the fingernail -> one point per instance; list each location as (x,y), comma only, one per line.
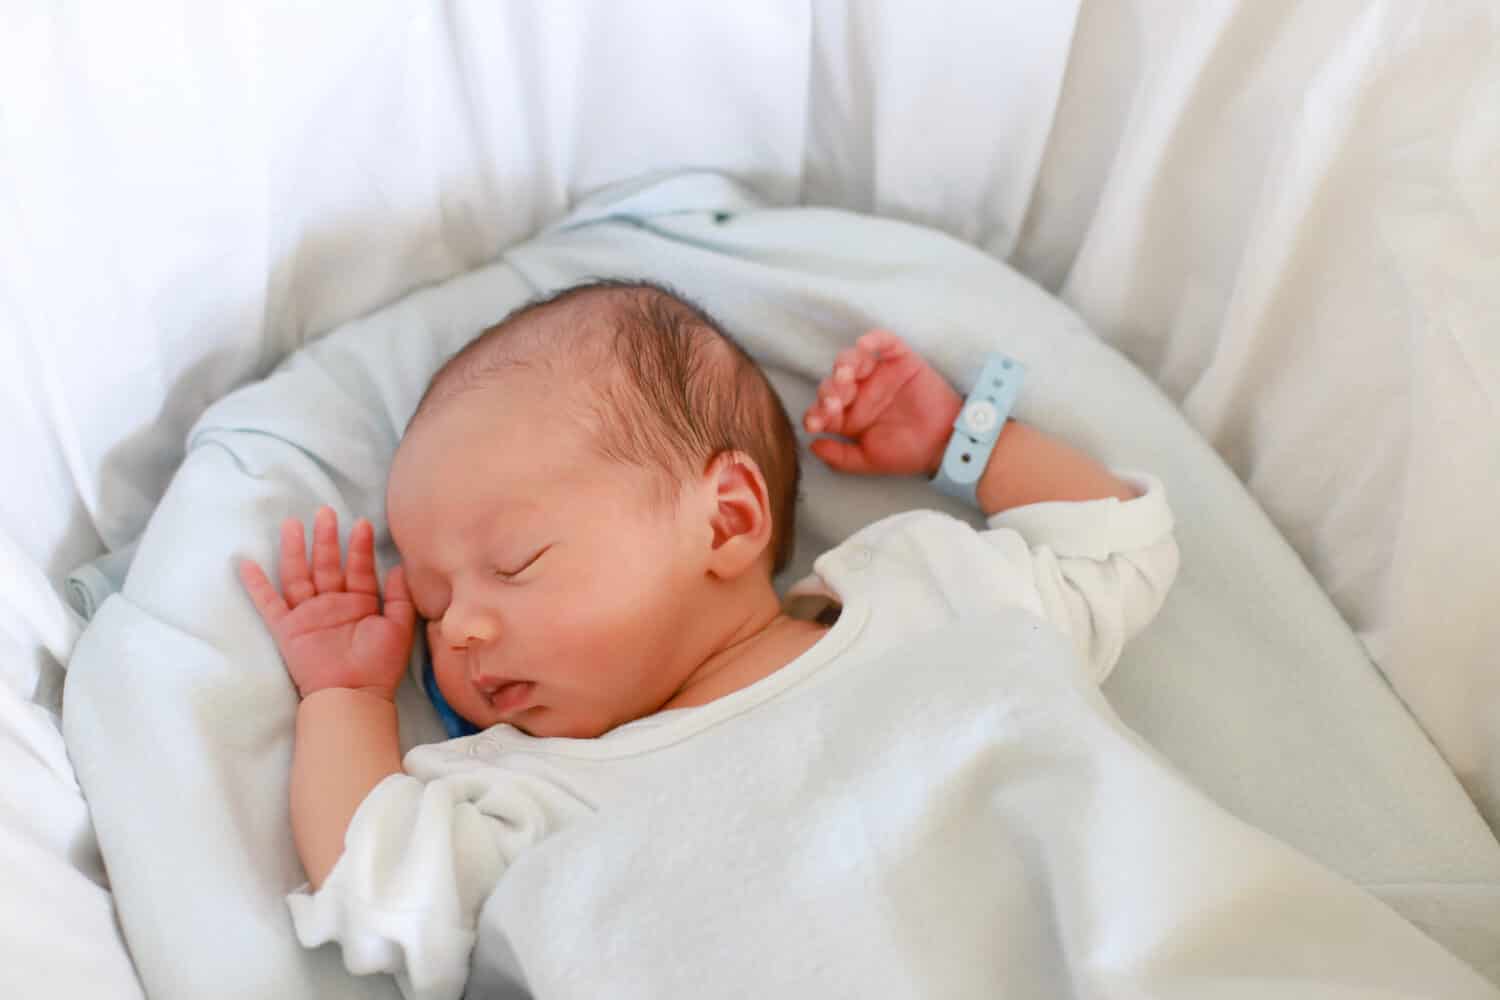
(843,374)
(815,425)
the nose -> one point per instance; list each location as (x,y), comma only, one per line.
(464,624)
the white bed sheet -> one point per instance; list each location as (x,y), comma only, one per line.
(1249,680)
(1332,330)
(191,189)
(1288,215)
(57,917)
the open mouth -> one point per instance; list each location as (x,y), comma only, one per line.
(511,696)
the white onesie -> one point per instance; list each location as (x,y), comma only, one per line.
(829,829)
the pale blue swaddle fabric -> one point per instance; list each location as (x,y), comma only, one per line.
(89,584)
(179,713)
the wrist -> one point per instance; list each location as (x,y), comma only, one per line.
(336,692)
(943,416)
(977,427)
(347,710)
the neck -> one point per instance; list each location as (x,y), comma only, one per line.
(754,640)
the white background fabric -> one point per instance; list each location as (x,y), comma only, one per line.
(1286,213)
(57,920)
(1298,236)
(189,190)
(179,713)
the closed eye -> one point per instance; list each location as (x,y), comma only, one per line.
(511,573)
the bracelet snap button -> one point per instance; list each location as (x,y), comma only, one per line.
(981,415)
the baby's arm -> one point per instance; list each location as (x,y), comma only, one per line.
(898,413)
(347,743)
(347,656)
(1098,568)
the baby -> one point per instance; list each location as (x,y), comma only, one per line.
(590,503)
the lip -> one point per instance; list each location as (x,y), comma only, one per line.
(511,696)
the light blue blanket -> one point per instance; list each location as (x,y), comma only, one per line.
(179,715)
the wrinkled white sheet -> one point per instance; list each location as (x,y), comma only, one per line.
(57,920)
(179,714)
(189,190)
(1298,236)
(1285,213)
(1288,215)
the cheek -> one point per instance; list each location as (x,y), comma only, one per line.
(451,678)
(628,589)
(606,624)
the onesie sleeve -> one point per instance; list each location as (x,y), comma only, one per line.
(1100,569)
(420,859)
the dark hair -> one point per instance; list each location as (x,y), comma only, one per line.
(687,390)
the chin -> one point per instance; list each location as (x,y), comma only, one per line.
(548,725)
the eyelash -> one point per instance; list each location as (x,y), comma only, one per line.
(508,574)
(503,574)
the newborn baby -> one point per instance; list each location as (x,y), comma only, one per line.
(590,503)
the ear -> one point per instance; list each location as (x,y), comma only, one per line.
(739,507)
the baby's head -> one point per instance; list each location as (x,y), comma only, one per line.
(586,500)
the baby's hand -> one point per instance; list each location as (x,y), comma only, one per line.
(329,626)
(897,411)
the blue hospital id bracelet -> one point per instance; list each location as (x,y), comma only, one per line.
(977,427)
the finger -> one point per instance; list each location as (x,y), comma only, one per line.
(398,606)
(831,395)
(327,571)
(830,414)
(263,595)
(842,455)
(839,390)
(854,364)
(812,417)
(883,344)
(362,577)
(842,385)
(296,578)
(844,364)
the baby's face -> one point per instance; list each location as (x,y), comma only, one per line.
(553,583)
